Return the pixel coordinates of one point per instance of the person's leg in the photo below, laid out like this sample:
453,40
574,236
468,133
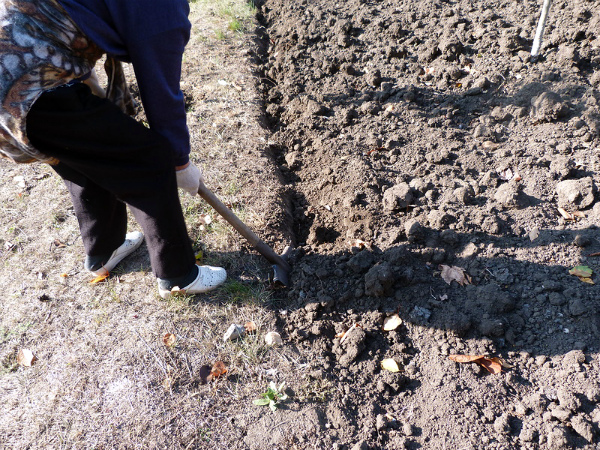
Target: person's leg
102,217
92,137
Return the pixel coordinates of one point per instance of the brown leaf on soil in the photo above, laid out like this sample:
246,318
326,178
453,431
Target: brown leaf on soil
250,327
59,244
99,278
502,362
208,373
566,215
169,339
465,358
218,369
26,357
454,273
492,365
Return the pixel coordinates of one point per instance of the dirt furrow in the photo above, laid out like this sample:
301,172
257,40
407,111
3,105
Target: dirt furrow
415,136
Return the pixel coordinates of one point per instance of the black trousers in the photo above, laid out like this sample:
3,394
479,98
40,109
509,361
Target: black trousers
107,160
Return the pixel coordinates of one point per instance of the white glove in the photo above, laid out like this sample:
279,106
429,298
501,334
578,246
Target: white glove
189,179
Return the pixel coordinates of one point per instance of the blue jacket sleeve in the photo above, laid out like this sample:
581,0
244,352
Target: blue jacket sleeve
157,65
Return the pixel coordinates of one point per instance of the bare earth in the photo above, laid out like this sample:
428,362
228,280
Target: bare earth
387,141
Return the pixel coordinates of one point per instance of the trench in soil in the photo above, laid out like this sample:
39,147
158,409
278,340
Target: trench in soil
364,118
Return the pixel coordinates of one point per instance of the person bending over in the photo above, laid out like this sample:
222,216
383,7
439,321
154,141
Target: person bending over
52,110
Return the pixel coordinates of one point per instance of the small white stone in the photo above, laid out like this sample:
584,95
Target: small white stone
233,332
272,338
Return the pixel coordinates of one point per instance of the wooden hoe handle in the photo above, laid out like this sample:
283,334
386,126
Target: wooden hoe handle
242,228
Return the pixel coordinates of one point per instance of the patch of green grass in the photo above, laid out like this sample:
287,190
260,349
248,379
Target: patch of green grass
7,334
237,292
237,14
235,25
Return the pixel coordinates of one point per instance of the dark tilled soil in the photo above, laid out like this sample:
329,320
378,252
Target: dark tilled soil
394,140
423,130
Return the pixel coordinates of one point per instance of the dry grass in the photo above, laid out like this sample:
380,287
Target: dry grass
104,378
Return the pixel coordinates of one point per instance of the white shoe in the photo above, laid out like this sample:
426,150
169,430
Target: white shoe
132,241
208,278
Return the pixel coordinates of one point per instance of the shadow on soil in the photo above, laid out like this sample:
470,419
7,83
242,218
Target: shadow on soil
538,308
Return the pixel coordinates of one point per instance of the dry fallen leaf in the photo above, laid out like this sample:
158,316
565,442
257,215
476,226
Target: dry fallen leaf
392,322
571,216
359,243
348,331
454,273
273,338
100,278
465,358
566,215
26,357
508,174
492,365
581,272
489,145
250,327
390,365
178,292
169,339
59,244
218,369
503,363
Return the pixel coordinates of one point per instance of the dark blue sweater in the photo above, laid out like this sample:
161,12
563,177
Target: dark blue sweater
150,34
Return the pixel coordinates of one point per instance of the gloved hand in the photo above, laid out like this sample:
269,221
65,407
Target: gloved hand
189,179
